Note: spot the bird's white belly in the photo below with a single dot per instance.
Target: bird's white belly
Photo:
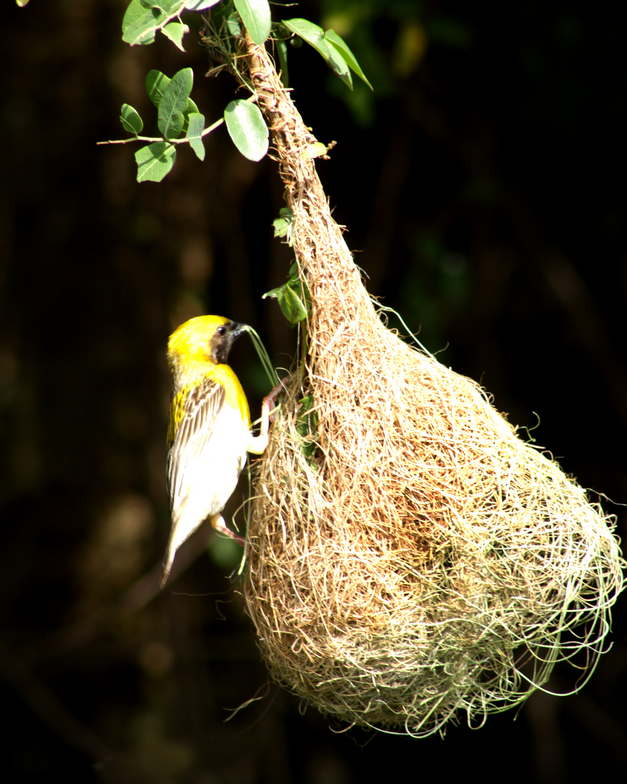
(217, 468)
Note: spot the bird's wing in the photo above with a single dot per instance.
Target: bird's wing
(196, 414)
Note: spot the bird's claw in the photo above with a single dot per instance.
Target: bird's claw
(269, 401)
(217, 521)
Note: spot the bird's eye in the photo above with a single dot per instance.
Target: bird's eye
(221, 330)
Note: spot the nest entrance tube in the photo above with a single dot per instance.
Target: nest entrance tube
(409, 557)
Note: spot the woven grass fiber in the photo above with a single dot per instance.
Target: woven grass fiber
(409, 556)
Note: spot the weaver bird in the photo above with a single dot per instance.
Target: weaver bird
(209, 431)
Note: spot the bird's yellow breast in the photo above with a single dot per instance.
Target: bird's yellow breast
(222, 376)
(235, 397)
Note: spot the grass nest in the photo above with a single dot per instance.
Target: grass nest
(409, 556)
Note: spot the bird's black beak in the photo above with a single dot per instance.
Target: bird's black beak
(236, 330)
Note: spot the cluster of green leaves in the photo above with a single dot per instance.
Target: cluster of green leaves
(179, 120)
(177, 115)
(144, 18)
(293, 296)
(295, 302)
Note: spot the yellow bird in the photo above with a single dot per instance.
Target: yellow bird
(209, 431)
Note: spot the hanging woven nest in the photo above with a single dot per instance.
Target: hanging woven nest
(409, 556)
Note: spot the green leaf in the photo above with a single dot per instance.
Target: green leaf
(247, 129)
(234, 25)
(139, 24)
(293, 297)
(191, 108)
(315, 150)
(309, 32)
(143, 18)
(349, 58)
(255, 15)
(274, 293)
(283, 228)
(200, 5)
(314, 36)
(154, 161)
(174, 102)
(292, 306)
(175, 32)
(156, 84)
(130, 119)
(169, 7)
(194, 134)
(293, 276)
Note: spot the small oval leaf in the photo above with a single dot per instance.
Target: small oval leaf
(349, 58)
(156, 84)
(247, 129)
(174, 103)
(234, 25)
(130, 119)
(175, 32)
(139, 24)
(315, 150)
(315, 37)
(154, 161)
(256, 17)
(308, 31)
(200, 5)
(165, 6)
(194, 134)
(292, 306)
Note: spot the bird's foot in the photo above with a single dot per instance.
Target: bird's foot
(269, 402)
(217, 521)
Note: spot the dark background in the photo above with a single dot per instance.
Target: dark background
(483, 187)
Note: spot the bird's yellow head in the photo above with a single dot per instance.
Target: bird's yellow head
(201, 343)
